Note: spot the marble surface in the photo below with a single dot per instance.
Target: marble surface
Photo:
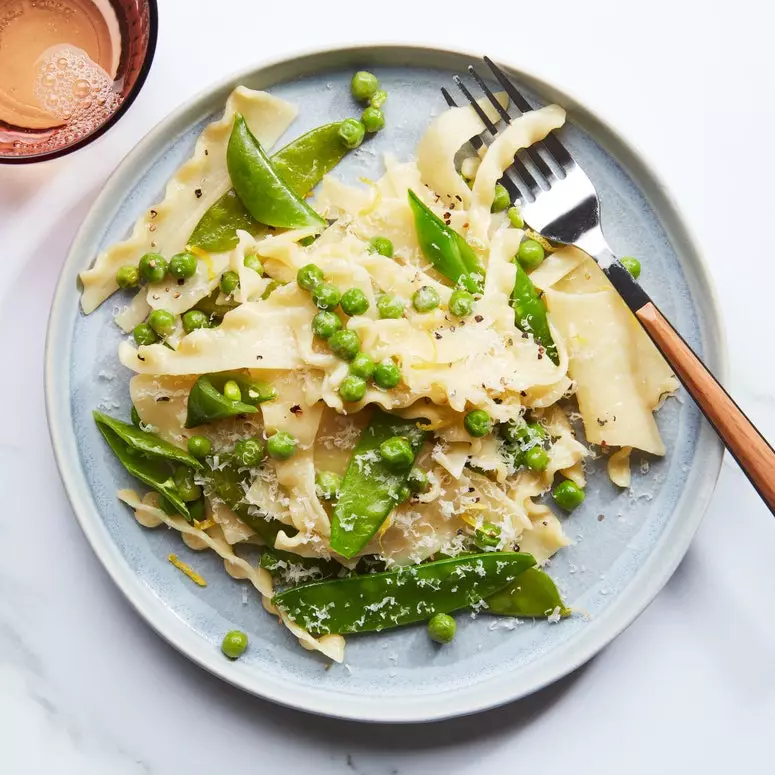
(86, 688)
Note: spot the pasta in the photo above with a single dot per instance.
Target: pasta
(480, 401)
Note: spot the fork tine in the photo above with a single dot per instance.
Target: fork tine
(543, 167)
(522, 171)
(551, 141)
(477, 143)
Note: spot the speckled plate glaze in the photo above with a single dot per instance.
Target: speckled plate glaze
(627, 544)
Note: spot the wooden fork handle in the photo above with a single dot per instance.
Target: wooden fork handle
(751, 450)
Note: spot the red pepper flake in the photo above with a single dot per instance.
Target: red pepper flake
(478, 318)
(296, 409)
(198, 193)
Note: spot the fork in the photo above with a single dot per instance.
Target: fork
(566, 210)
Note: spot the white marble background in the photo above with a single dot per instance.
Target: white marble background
(87, 689)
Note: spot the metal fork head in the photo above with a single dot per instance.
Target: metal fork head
(556, 197)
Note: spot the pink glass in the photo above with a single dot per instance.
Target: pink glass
(138, 20)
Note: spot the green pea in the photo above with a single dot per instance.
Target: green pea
(183, 265)
(326, 296)
(373, 119)
(309, 276)
(162, 322)
(530, 254)
(354, 302)
(403, 494)
(352, 388)
(387, 374)
(194, 319)
(523, 433)
(153, 268)
(128, 276)
(426, 299)
(345, 343)
(461, 303)
(188, 489)
(418, 480)
(229, 282)
(396, 452)
(253, 262)
(501, 200)
(632, 265)
(536, 458)
(197, 509)
(442, 628)
(135, 417)
(568, 495)
(231, 390)
(327, 485)
(381, 245)
(144, 334)
(352, 132)
(249, 452)
(281, 445)
(199, 447)
(515, 217)
(325, 323)
(487, 535)
(390, 306)
(364, 85)
(378, 99)
(477, 423)
(234, 644)
(362, 365)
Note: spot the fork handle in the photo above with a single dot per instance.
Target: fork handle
(741, 437)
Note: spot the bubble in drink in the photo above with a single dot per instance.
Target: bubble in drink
(81, 88)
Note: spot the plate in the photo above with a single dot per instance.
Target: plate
(627, 544)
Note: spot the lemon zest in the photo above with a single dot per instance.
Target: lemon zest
(187, 570)
(205, 256)
(377, 199)
(205, 524)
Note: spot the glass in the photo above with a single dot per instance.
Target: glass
(69, 69)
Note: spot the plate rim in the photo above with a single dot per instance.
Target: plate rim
(639, 592)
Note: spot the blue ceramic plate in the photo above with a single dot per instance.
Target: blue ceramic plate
(627, 543)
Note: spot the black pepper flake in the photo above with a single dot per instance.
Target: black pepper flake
(600, 517)
(207, 153)
(545, 523)
(427, 400)
(459, 531)
(458, 197)
(497, 401)
(523, 393)
(465, 225)
(451, 205)
(140, 358)
(176, 295)
(540, 355)
(447, 215)
(151, 227)
(181, 281)
(161, 399)
(296, 409)
(154, 213)
(510, 342)
(524, 335)
(541, 349)
(600, 422)
(259, 357)
(470, 489)
(437, 334)
(198, 193)
(478, 318)
(155, 297)
(452, 329)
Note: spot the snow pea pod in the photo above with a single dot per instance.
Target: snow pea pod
(533, 594)
(207, 403)
(229, 484)
(147, 459)
(530, 312)
(380, 601)
(449, 253)
(301, 164)
(289, 567)
(259, 186)
(370, 489)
